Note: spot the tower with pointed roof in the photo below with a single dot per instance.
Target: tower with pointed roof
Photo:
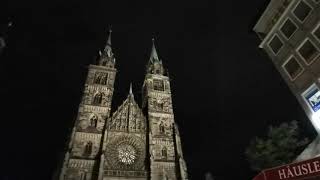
(83, 155)
(134, 142)
(166, 158)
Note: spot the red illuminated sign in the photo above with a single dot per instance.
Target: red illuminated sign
(300, 170)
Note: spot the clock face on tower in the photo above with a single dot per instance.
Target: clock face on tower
(126, 154)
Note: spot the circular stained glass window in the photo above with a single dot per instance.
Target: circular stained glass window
(126, 154)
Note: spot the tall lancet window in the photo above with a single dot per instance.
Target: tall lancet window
(104, 79)
(94, 121)
(164, 152)
(161, 128)
(97, 100)
(88, 149)
(97, 78)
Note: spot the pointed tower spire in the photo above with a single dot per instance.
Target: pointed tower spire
(130, 91)
(106, 56)
(154, 54)
(109, 37)
(154, 65)
(107, 49)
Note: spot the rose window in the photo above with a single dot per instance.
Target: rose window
(126, 154)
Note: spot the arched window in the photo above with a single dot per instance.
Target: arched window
(161, 128)
(97, 98)
(97, 78)
(88, 148)
(94, 121)
(104, 79)
(164, 152)
(104, 63)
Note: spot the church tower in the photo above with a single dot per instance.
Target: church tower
(134, 142)
(83, 155)
(166, 158)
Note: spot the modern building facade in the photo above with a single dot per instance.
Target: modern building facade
(132, 143)
(290, 35)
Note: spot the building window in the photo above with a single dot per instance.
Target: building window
(101, 78)
(316, 32)
(312, 97)
(308, 51)
(164, 152)
(88, 149)
(97, 78)
(288, 28)
(161, 128)
(94, 121)
(104, 79)
(292, 68)
(158, 85)
(159, 106)
(97, 100)
(302, 10)
(275, 44)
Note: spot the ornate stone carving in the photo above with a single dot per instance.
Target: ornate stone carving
(128, 117)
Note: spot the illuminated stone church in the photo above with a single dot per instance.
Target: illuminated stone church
(133, 142)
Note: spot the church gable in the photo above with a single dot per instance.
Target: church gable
(128, 117)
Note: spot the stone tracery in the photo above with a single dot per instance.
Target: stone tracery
(133, 145)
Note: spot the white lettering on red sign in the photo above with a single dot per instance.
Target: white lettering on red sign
(299, 170)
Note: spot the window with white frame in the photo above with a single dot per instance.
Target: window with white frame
(308, 51)
(275, 44)
(292, 68)
(302, 10)
(288, 28)
(312, 97)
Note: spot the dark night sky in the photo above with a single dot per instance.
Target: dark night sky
(225, 89)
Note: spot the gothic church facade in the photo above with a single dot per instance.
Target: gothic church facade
(132, 143)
